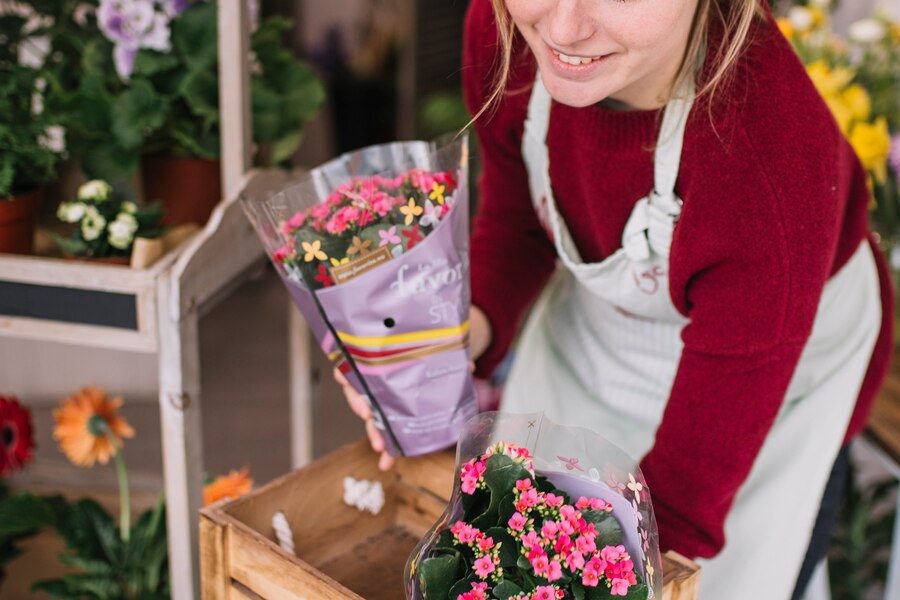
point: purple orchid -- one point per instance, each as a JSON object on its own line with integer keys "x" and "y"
{"x": 135, "y": 24}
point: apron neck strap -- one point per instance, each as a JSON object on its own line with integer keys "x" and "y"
{"x": 667, "y": 156}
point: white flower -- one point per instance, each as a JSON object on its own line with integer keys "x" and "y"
{"x": 129, "y": 207}
{"x": 70, "y": 212}
{"x": 96, "y": 190}
{"x": 867, "y": 31}
{"x": 54, "y": 139}
{"x": 93, "y": 224}
{"x": 121, "y": 231}
{"x": 801, "y": 18}
{"x": 33, "y": 51}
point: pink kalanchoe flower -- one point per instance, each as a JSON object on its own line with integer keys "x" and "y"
{"x": 596, "y": 564}
{"x": 517, "y": 521}
{"x": 590, "y": 577}
{"x": 575, "y": 561}
{"x": 554, "y": 570}
{"x": 619, "y": 587}
{"x": 583, "y": 503}
{"x": 568, "y": 512}
{"x": 613, "y": 553}
{"x": 485, "y": 543}
{"x": 320, "y": 211}
{"x": 585, "y": 544}
{"x": 484, "y": 566}
{"x": 365, "y": 217}
{"x": 469, "y": 485}
{"x": 468, "y": 534}
{"x": 531, "y": 539}
{"x": 523, "y": 484}
{"x": 563, "y": 545}
{"x": 553, "y": 500}
{"x": 280, "y": 254}
{"x": 566, "y": 527}
{"x": 549, "y": 529}
{"x": 541, "y": 564}
{"x": 544, "y": 592}
{"x": 457, "y": 527}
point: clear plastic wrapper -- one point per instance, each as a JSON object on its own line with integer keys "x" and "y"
{"x": 490, "y": 540}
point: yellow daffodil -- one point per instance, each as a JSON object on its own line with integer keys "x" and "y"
{"x": 411, "y": 211}
{"x": 786, "y": 28}
{"x": 857, "y": 100}
{"x": 829, "y": 82}
{"x": 437, "y": 193}
{"x": 313, "y": 251}
{"x": 894, "y": 32}
{"x": 819, "y": 17}
{"x": 872, "y": 141}
{"x": 359, "y": 246}
{"x": 336, "y": 263}
{"x": 842, "y": 114}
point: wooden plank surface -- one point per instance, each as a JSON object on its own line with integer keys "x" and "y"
{"x": 416, "y": 493}
{"x": 883, "y": 427}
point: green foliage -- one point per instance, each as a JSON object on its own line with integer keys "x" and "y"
{"x": 170, "y": 105}
{"x": 860, "y": 545}
{"x": 21, "y": 516}
{"x": 26, "y": 161}
{"x": 108, "y": 567}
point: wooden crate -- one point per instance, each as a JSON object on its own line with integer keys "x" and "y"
{"x": 341, "y": 552}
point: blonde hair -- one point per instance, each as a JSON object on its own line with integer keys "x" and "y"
{"x": 736, "y": 16}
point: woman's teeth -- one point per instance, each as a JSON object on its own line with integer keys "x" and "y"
{"x": 574, "y": 60}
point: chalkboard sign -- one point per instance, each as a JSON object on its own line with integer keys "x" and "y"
{"x": 69, "y": 305}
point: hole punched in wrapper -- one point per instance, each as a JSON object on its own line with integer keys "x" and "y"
{"x": 389, "y": 323}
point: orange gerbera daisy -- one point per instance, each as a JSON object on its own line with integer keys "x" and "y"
{"x": 233, "y": 485}
{"x": 85, "y": 422}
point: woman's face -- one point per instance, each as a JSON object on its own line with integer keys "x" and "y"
{"x": 591, "y": 50}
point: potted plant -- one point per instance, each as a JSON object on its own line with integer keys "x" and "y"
{"x": 106, "y": 225}
{"x": 138, "y": 85}
{"x": 30, "y": 139}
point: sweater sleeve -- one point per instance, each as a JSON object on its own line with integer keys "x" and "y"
{"x": 512, "y": 257}
{"x": 755, "y": 260}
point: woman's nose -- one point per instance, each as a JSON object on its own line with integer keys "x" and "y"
{"x": 569, "y": 24}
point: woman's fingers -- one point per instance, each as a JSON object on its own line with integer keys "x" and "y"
{"x": 386, "y": 462}
{"x": 360, "y": 406}
{"x": 357, "y": 403}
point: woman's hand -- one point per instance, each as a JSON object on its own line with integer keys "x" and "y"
{"x": 479, "y": 340}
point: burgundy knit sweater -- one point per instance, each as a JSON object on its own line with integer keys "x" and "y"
{"x": 774, "y": 204}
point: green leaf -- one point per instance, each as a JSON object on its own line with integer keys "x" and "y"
{"x": 148, "y": 63}
{"x": 195, "y": 34}
{"x": 200, "y": 89}
{"x": 72, "y": 245}
{"x": 88, "y": 565}
{"x": 500, "y": 475}
{"x": 90, "y": 531}
{"x": 509, "y": 554}
{"x": 285, "y": 146}
{"x": 24, "y": 513}
{"x": 461, "y": 587}
{"x": 505, "y": 589}
{"x": 137, "y": 113}
{"x": 577, "y": 591}
{"x": 109, "y": 161}
{"x": 437, "y": 575}
{"x": 608, "y": 528}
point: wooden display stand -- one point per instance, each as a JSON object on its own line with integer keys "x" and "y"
{"x": 342, "y": 552}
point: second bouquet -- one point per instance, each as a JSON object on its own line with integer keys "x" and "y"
{"x": 373, "y": 248}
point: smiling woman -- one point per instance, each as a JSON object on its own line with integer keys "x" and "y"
{"x": 669, "y": 201}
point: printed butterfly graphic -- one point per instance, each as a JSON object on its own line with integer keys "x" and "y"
{"x": 571, "y": 463}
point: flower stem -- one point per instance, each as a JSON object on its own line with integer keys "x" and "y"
{"x": 124, "y": 496}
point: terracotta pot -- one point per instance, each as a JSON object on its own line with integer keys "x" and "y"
{"x": 18, "y": 218}
{"x": 189, "y": 188}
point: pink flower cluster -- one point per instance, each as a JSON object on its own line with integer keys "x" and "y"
{"x": 541, "y": 592}
{"x": 472, "y": 473}
{"x": 487, "y": 553}
{"x": 565, "y": 540}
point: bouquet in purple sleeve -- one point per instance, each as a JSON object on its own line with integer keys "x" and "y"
{"x": 373, "y": 248}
